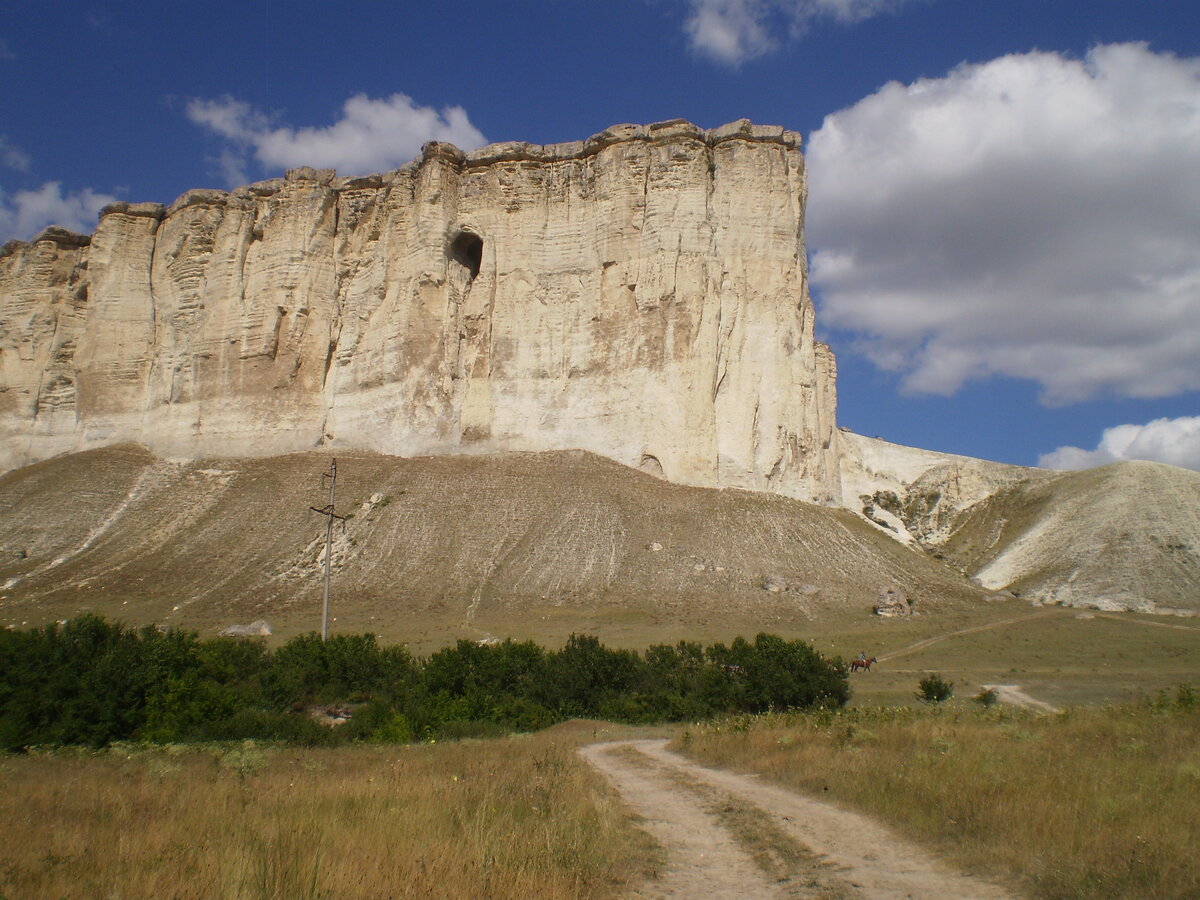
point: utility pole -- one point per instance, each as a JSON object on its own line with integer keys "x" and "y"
{"x": 330, "y": 515}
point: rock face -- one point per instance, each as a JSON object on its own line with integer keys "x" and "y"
{"x": 1122, "y": 537}
{"x": 918, "y": 495}
{"x": 642, "y": 295}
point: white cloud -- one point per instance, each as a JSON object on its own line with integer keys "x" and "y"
{"x": 1173, "y": 441}
{"x": 13, "y": 157}
{"x": 734, "y": 31}
{"x": 1033, "y": 216}
{"x": 370, "y": 136}
{"x": 28, "y": 212}
{"x": 729, "y": 31}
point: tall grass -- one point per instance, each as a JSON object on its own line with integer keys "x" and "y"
{"x": 1097, "y": 802}
{"x": 512, "y": 818}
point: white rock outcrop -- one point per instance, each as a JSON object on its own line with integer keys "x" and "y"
{"x": 642, "y": 294}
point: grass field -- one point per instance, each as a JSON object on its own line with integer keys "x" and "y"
{"x": 1063, "y": 656}
{"x": 1088, "y": 803}
{"x": 1096, "y": 802}
{"x": 513, "y": 818}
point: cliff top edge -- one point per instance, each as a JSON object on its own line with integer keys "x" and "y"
{"x": 665, "y": 132}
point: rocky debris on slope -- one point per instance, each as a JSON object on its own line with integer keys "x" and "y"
{"x": 893, "y": 604}
{"x": 493, "y": 539}
{"x": 641, "y": 294}
{"x": 776, "y": 584}
{"x": 257, "y": 628}
{"x": 885, "y": 510}
{"x": 918, "y": 494}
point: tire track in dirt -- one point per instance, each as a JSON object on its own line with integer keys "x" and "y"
{"x": 703, "y": 859}
{"x": 850, "y": 855}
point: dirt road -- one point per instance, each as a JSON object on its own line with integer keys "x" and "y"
{"x": 736, "y": 836}
{"x": 1012, "y": 694}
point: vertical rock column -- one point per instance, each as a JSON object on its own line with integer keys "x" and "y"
{"x": 43, "y": 305}
{"x": 117, "y": 353}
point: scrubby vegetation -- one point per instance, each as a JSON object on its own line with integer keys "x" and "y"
{"x": 1089, "y": 802}
{"x": 987, "y": 697}
{"x": 92, "y": 682}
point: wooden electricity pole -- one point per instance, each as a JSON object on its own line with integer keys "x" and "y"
{"x": 330, "y": 515}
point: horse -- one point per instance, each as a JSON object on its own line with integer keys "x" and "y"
{"x": 857, "y": 664}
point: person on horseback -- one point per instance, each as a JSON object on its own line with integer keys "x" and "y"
{"x": 863, "y": 663}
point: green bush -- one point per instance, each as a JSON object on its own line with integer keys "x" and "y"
{"x": 1186, "y": 698}
{"x": 272, "y": 725}
{"x": 933, "y": 688}
{"x": 378, "y": 723}
{"x": 92, "y": 682}
{"x": 987, "y": 698}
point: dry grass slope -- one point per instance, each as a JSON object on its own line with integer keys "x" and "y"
{"x": 535, "y": 545}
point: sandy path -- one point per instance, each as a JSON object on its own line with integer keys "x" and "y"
{"x": 1012, "y": 694}
{"x": 857, "y": 856}
{"x": 703, "y": 859}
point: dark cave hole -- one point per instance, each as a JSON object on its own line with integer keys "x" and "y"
{"x": 467, "y": 250}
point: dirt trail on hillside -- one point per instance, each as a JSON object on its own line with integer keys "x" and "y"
{"x": 1117, "y": 618}
{"x": 938, "y": 638}
{"x": 730, "y": 835}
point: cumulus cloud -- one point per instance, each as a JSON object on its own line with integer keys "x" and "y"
{"x": 1173, "y": 441}
{"x": 734, "y": 31}
{"x": 1033, "y": 216}
{"x": 371, "y": 135}
{"x": 26, "y": 213}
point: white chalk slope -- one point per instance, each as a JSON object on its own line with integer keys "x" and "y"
{"x": 1123, "y": 536}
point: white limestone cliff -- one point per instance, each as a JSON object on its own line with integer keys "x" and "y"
{"x": 642, "y": 294}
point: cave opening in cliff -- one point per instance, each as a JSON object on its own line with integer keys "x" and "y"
{"x": 467, "y": 250}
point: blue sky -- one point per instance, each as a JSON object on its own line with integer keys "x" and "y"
{"x": 1004, "y": 221}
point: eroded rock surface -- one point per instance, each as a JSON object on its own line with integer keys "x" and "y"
{"x": 642, "y": 294}
{"x": 1125, "y": 536}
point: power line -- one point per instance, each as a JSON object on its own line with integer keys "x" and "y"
{"x": 330, "y": 515}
